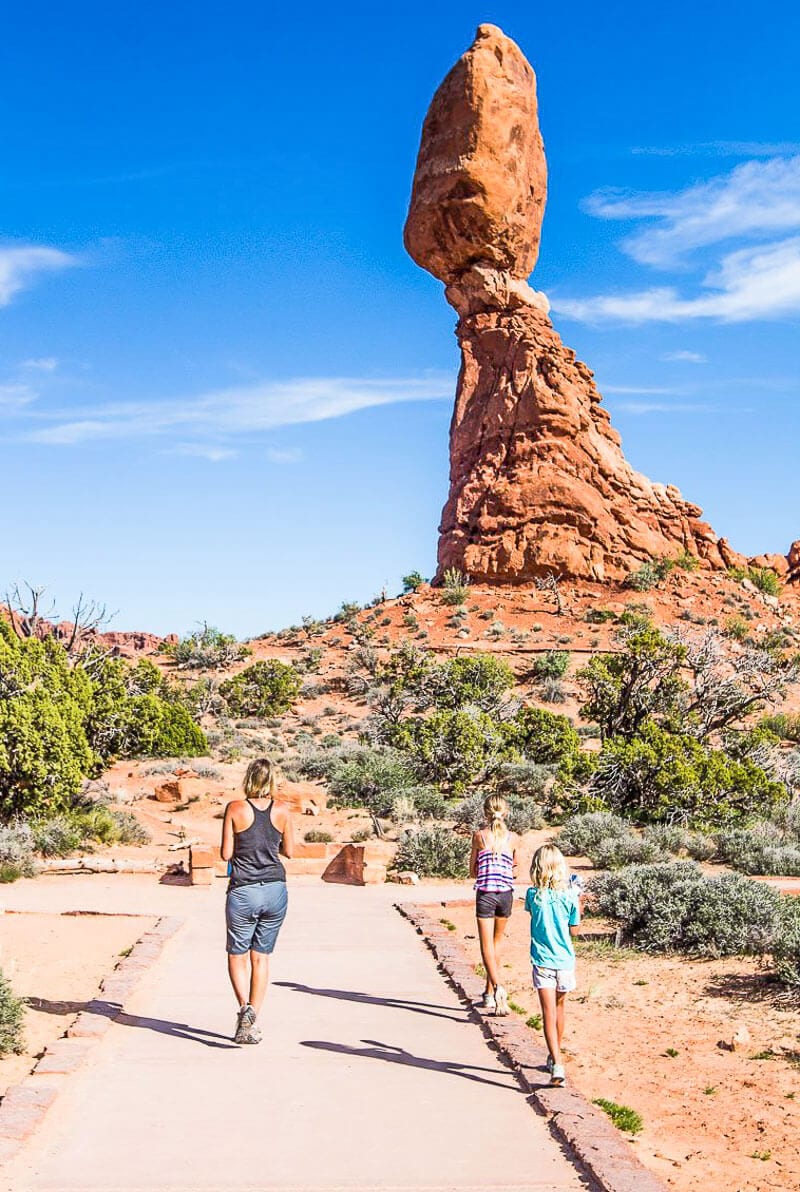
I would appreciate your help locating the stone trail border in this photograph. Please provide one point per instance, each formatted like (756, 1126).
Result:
(595, 1142)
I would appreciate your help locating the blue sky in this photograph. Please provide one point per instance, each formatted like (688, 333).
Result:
(225, 390)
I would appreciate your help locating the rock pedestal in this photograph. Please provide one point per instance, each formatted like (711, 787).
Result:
(538, 479)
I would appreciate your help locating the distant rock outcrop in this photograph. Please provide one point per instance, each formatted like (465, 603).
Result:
(538, 479)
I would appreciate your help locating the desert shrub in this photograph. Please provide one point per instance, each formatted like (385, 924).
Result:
(680, 841)
(480, 682)
(624, 1118)
(403, 809)
(639, 683)
(599, 616)
(786, 944)
(317, 763)
(546, 738)
(16, 851)
(206, 649)
(580, 833)
(450, 748)
(784, 725)
(615, 852)
(12, 1019)
(674, 907)
(660, 775)
(317, 836)
(763, 849)
(267, 688)
(455, 586)
(58, 836)
(412, 581)
(765, 579)
(522, 779)
(552, 691)
(130, 830)
(44, 705)
(737, 628)
(553, 664)
(370, 778)
(434, 852)
(430, 803)
(477, 682)
(643, 578)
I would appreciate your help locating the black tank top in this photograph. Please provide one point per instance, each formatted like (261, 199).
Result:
(255, 852)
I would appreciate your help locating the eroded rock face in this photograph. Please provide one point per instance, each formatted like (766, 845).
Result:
(539, 482)
(538, 479)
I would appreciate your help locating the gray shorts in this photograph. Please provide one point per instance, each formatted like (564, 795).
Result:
(562, 980)
(253, 916)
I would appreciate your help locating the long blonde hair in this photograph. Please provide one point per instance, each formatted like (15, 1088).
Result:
(495, 809)
(260, 774)
(549, 868)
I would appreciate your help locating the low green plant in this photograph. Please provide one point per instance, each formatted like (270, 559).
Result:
(207, 648)
(12, 1018)
(434, 852)
(16, 851)
(624, 1118)
(534, 1022)
(672, 1053)
(763, 849)
(412, 581)
(599, 616)
(370, 778)
(267, 688)
(581, 833)
(446, 923)
(317, 836)
(553, 664)
(615, 852)
(675, 907)
(785, 725)
(455, 586)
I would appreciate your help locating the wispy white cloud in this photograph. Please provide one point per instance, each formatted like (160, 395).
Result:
(751, 283)
(284, 455)
(684, 356)
(639, 389)
(225, 414)
(721, 149)
(207, 451)
(662, 407)
(45, 364)
(20, 265)
(15, 396)
(756, 199)
(755, 276)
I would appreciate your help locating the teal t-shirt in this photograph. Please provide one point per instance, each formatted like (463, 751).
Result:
(552, 914)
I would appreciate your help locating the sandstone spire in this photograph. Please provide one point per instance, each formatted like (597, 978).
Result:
(538, 480)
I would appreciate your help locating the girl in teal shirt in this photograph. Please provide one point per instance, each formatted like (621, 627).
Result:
(555, 913)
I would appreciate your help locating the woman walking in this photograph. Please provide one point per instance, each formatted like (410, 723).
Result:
(492, 865)
(254, 831)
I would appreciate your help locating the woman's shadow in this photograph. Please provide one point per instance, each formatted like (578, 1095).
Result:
(114, 1011)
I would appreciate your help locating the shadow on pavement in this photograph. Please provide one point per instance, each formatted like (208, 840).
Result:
(397, 1055)
(114, 1011)
(367, 999)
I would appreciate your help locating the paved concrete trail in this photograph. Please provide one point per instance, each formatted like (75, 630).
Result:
(370, 1075)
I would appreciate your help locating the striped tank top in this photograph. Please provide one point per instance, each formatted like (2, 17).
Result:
(495, 870)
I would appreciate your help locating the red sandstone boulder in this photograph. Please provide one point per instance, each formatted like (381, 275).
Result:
(481, 178)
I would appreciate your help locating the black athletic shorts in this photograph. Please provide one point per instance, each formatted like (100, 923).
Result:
(494, 904)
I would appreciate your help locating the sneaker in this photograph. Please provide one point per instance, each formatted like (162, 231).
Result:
(549, 1062)
(245, 1020)
(488, 1004)
(557, 1075)
(251, 1034)
(501, 1000)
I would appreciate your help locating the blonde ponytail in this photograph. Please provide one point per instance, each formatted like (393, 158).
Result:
(496, 809)
(260, 778)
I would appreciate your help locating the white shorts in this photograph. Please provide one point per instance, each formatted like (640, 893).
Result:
(562, 980)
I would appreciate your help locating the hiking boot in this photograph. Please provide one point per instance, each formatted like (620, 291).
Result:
(557, 1075)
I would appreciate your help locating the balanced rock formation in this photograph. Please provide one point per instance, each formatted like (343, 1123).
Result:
(538, 480)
